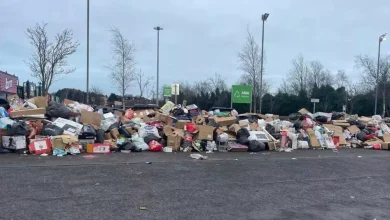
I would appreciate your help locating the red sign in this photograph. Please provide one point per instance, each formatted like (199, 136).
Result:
(8, 83)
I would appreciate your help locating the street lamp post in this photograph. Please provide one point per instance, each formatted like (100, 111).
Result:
(381, 38)
(87, 51)
(263, 18)
(158, 28)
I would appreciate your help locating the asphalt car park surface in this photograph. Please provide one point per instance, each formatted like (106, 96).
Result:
(305, 184)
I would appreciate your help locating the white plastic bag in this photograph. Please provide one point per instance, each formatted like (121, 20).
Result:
(147, 129)
(139, 142)
(223, 137)
(5, 121)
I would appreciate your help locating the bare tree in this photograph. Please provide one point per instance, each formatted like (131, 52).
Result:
(217, 82)
(96, 89)
(143, 81)
(369, 69)
(49, 59)
(122, 70)
(250, 63)
(342, 79)
(298, 75)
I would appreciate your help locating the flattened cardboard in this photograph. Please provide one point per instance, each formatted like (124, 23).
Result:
(353, 129)
(225, 121)
(91, 118)
(205, 132)
(313, 139)
(22, 113)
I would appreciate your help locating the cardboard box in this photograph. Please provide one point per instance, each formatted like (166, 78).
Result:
(131, 130)
(63, 141)
(91, 118)
(111, 143)
(180, 124)
(313, 138)
(98, 148)
(225, 121)
(386, 137)
(385, 146)
(205, 132)
(28, 112)
(40, 146)
(169, 130)
(344, 125)
(174, 141)
(353, 129)
(14, 142)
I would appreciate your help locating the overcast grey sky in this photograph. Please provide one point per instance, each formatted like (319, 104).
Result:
(200, 37)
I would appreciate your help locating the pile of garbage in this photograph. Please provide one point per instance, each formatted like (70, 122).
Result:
(336, 130)
(40, 127)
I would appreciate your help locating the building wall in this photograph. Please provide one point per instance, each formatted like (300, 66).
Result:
(8, 83)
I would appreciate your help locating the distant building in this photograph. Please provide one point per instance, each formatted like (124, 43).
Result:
(8, 84)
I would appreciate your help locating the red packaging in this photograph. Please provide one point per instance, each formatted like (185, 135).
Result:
(40, 146)
(129, 114)
(190, 127)
(155, 146)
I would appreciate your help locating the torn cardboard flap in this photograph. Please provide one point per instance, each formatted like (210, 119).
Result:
(91, 118)
(303, 111)
(234, 128)
(171, 131)
(39, 101)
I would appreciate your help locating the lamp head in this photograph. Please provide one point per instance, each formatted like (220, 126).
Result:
(264, 16)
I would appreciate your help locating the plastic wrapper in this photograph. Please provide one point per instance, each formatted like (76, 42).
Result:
(190, 127)
(78, 107)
